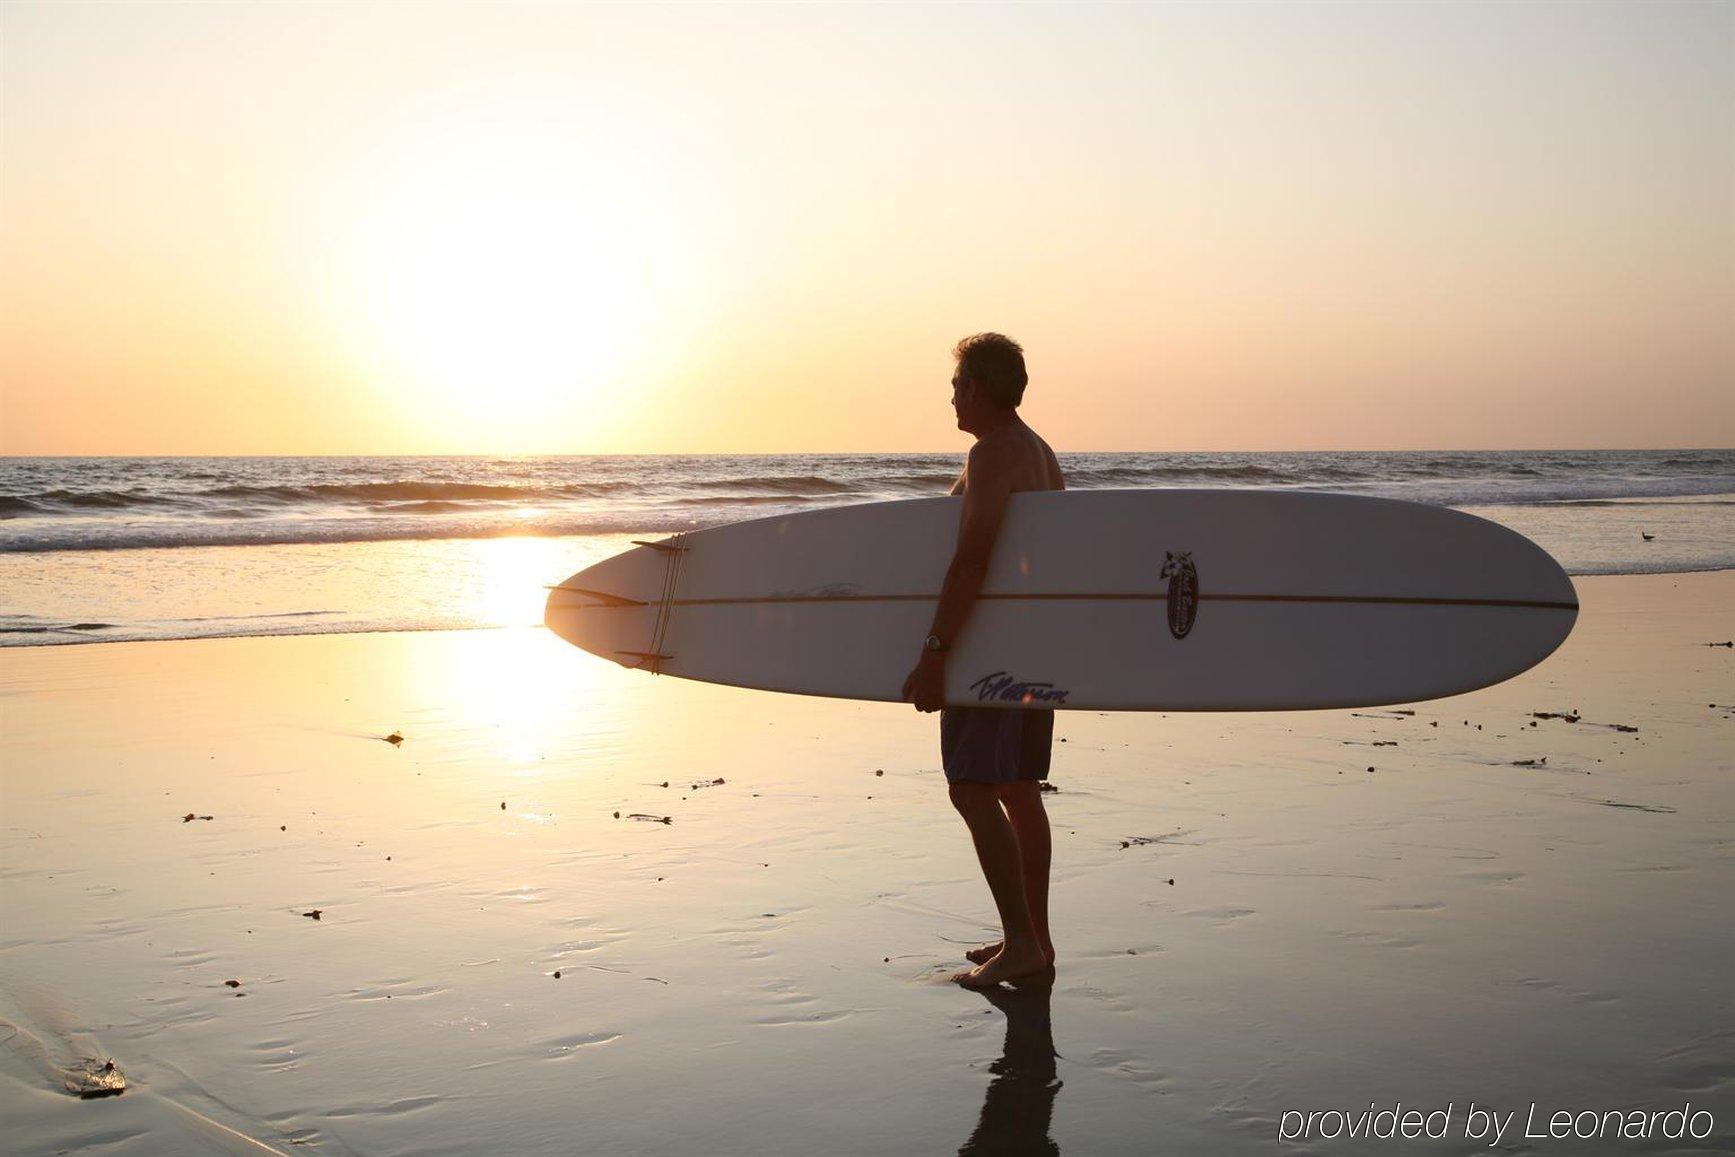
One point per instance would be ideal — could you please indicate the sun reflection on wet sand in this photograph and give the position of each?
(513, 575)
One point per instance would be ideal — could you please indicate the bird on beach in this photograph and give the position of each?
(1647, 537)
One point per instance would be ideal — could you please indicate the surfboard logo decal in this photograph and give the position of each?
(1005, 688)
(1183, 601)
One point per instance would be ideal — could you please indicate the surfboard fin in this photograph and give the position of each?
(603, 597)
(667, 545)
(651, 659)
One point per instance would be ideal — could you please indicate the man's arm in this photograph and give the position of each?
(990, 473)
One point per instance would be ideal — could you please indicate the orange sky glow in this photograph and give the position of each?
(305, 229)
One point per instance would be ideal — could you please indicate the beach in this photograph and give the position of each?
(585, 910)
(346, 349)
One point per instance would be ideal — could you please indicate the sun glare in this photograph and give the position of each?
(491, 297)
(514, 296)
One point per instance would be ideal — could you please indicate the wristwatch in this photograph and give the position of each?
(933, 643)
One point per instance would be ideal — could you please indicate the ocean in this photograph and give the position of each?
(121, 549)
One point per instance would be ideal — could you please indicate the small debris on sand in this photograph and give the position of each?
(282, 827)
(1530, 762)
(617, 815)
(314, 914)
(1046, 786)
(651, 819)
(1730, 643)
(1370, 769)
(1624, 727)
(1564, 716)
(190, 817)
(557, 974)
(1171, 882)
(233, 983)
(1140, 841)
(94, 1078)
(502, 805)
(1638, 807)
(882, 771)
(394, 738)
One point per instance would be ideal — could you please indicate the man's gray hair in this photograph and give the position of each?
(995, 364)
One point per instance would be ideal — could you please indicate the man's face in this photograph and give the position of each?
(960, 397)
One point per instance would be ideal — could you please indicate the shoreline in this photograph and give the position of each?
(80, 639)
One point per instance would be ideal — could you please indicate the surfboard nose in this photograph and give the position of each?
(593, 610)
(607, 625)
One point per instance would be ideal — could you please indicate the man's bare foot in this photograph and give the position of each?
(1007, 966)
(988, 952)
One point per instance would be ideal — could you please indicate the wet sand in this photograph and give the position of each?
(765, 973)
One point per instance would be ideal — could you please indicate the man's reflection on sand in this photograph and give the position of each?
(1019, 1106)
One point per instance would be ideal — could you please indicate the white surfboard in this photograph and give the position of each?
(1120, 600)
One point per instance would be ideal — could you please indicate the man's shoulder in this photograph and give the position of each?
(1008, 447)
(991, 447)
(1006, 442)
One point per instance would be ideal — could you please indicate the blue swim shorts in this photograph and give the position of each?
(995, 744)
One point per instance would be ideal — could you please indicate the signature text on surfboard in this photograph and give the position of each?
(1007, 689)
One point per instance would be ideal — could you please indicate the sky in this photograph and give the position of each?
(555, 228)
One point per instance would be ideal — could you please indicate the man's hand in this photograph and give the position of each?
(926, 685)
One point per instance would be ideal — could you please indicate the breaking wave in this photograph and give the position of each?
(130, 503)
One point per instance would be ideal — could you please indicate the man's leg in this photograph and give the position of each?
(1029, 819)
(997, 851)
(1023, 803)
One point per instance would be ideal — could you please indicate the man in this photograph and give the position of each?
(995, 758)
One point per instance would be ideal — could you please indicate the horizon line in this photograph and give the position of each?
(882, 453)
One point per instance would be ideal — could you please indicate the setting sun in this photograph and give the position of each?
(488, 285)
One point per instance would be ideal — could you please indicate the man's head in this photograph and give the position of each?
(990, 379)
